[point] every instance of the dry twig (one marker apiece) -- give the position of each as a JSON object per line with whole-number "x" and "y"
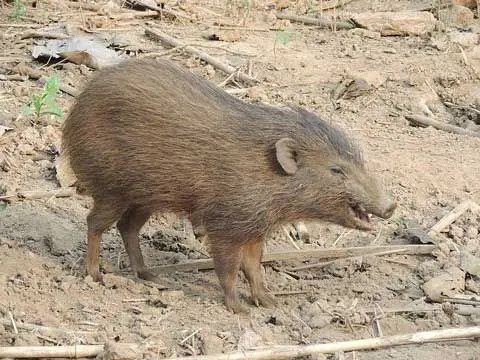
{"x": 161, "y": 36}
{"x": 41, "y": 329}
{"x": 323, "y": 23}
{"x": 39, "y": 194}
{"x": 36, "y": 34}
{"x": 453, "y": 215}
{"x": 326, "y": 263}
{"x": 424, "y": 121}
{"x": 333, "y": 4}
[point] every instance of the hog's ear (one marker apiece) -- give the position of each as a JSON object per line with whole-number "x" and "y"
{"x": 287, "y": 155}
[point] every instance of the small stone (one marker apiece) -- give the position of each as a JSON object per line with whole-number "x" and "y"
{"x": 357, "y": 288}
{"x": 397, "y": 23}
{"x": 112, "y": 281}
{"x": 472, "y": 285}
{"x": 385, "y": 268}
{"x": 173, "y": 296}
{"x": 390, "y": 51}
{"x": 212, "y": 344}
{"x": 471, "y": 125}
{"x": 365, "y": 33}
{"x": 208, "y": 71}
{"x": 45, "y": 164}
{"x": 249, "y": 340}
{"x": 472, "y": 232}
{"x": 318, "y": 357}
{"x": 25, "y": 149}
{"x": 465, "y": 39}
{"x": 426, "y": 324}
{"x": 456, "y": 231}
{"x": 444, "y": 248}
{"x": 7, "y": 242}
{"x": 319, "y": 321}
{"x": 448, "y": 284}
{"x": 49, "y": 133}
{"x": 120, "y": 351}
{"x": 256, "y": 93}
{"x": 192, "y": 63}
{"x": 472, "y": 4}
{"x": 306, "y": 331}
{"x": 456, "y": 15}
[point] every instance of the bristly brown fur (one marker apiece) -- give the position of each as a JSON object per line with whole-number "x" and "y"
{"x": 149, "y": 136}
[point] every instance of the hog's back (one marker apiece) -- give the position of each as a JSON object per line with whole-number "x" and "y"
{"x": 149, "y": 131}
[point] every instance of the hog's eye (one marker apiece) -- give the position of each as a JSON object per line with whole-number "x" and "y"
{"x": 337, "y": 170}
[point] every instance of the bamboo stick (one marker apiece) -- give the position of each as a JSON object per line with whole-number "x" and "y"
{"x": 72, "y": 352}
{"x": 206, "y": 264}
{"x": 291, "y": 351}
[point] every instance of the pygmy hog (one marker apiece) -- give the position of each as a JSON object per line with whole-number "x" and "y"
{"x": 148, "y": 136}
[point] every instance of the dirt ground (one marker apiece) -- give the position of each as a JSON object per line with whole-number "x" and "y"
{"x": 42, "y": 241}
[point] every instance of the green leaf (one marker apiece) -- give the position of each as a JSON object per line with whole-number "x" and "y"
{"x": 27, "y": 109}
{"x": 52, "y": 85}
{"x": 54, "y": 110}
{"x": 282, "y": 37}
{"x": 3, "y": 205}
{"x": 46, "y": 99}
{"x": 18, "y": 10}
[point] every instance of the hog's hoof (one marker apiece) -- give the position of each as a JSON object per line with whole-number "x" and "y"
{"x": 265, "y": 300}
{"x": 95, "y": 276}
{"x": 236, "y": 307}
{"x": 146, "y": 275}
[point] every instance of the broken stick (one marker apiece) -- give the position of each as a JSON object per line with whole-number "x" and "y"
{"x": 207, "y": 264}
{"x": 73, "y": 352}
{"x": 39, "y": 194}
{"x": 159, "y": 9}
{"x": 453, "y": 215}
{"x": 320, "y": 22}
{"x": 291, "y": 351}
{"x": 423, "y": 121}
{"x": 37, "y": 34}
{"x": 326, "y": 263}
{"x": 167, "y": 39}
{"x": 42, "y": 329}
{"x": 333, "y": 4}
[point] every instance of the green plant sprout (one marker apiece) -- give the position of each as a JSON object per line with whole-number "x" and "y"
{"x": 44, "y": 103}
{"x": 281, "y": 37}
{"x": 18, "y": 11}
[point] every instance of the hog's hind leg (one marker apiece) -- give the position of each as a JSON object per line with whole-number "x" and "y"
{"x": 129, "y": 226}
{"x": 101, "y": 217}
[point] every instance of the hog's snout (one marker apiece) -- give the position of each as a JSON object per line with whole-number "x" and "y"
{"x": 388, "y": 208}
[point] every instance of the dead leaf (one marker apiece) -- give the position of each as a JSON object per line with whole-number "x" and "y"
{"x": 65, "y": 174}
{"x": 4, "y": 129}
{"x": 79, "y": 50}
{"x": 447, "y": 285}
{"x": 470, "y": 263}
{"x": 223, "y": 35}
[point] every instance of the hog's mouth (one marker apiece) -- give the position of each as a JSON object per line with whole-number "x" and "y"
{"x": 359, "y": 217}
